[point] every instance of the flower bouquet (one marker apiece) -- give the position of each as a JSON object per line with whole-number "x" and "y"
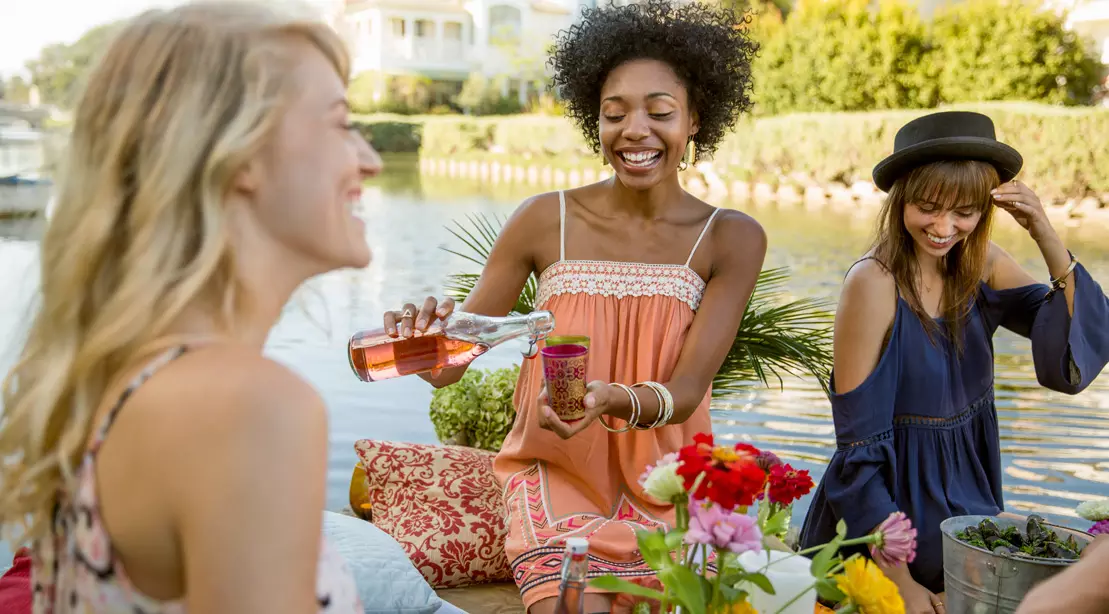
{"x": 721, "y": 559}
{"x": 1097, "y": 512}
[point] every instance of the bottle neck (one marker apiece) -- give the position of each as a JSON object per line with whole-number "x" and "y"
{"x": 492, "y": 331}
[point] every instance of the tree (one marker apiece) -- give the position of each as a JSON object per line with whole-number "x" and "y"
{"x": 60, "y": 70}
{"x": 776, "y": 337}
{"x": 1011, "y": 50}
{"x": 15, "y": 90}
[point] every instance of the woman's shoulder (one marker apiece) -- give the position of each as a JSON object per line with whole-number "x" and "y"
{"x": 214, "y": 393}
{"x": 868, "y": 299}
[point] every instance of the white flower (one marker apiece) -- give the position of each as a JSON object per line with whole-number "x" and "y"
{"x": 662, "y": 481}
{"x": 1094, "y": 511}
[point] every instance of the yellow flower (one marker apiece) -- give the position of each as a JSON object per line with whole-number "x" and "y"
{"x": 869, "y": 589}
{"x": 743, "y": 607}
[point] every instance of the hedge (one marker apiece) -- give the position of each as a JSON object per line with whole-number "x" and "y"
{"x": 1064, "y": 152}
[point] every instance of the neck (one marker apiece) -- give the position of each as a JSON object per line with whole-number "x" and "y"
{"x": 650, "y": 203}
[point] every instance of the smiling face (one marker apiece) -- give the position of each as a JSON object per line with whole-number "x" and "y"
{"x": 645, "y": 122}
{"x": 945, "y": 204}
{"x": 936, "y": 229}
{"x": 306, "y": 183}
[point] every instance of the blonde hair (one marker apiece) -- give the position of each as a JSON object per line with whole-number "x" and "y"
{"x": 179, "y": 102}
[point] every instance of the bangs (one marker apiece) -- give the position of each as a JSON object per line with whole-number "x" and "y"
{"x": 953, "y": 184}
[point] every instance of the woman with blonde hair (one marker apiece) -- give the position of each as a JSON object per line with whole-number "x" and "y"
{"x": 211, "y": 171}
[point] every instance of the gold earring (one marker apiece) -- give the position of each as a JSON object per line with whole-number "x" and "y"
{"x": 691, "y": 153}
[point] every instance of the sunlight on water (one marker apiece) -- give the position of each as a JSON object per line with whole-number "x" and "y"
{"x": 1055, "y": 447}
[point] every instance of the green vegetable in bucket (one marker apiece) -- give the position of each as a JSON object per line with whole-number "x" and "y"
{"x": 1037, "y": 541}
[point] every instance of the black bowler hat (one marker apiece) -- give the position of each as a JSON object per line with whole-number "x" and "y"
{"x": 947, "y": 135}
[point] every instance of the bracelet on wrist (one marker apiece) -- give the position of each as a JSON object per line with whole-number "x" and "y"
{"x": 1060, "y": 283}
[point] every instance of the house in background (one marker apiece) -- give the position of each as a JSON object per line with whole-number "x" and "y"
{"x": 1090, "y": 18}
{"x": 445, "y": 41}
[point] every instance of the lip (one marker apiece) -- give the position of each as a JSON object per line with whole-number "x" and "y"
{"x": 639, "y": 170}
{"x": 939, "y": 246}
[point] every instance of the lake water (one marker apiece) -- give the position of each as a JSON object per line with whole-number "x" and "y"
{"x": 1055, "y": 447}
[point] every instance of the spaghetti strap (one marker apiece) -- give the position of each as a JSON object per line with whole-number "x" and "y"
{"x": 162, "y": 360}
{"x": 689, "y": 260}
{"x": 561, "y": 226}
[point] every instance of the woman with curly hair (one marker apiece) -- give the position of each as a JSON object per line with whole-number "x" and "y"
{"x": 656, "y": 278}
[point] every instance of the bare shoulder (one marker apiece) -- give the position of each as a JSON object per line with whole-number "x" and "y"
{"x": 1003, "y": 271}
{"x": 536, "y": 216}
{"x": 220, "y": 392}
{"x": 869, "y": 295}
{"x": 736, "y": 235}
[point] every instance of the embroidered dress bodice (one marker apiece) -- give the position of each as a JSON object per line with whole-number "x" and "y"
{"x": 620, "y": 279}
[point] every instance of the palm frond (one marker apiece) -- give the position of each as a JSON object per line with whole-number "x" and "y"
{"x": 777, "y": 337}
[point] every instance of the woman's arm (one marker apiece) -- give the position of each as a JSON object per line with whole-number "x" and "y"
{"x": 1025, "y": 207}
{"x": 738, "y": 250}
{"x": 244, "y": 484}
{"x": 510, "y": 261}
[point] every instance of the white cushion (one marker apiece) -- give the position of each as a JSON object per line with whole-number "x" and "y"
{"x": 387, "y": 581}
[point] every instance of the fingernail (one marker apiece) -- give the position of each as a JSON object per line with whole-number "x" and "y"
{"x": 421, "y": 323}
{"x": 590, "y": 401}
{"x": 407, "y": 330}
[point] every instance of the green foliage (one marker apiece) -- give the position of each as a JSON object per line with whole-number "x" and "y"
{"x": 476, "y": 411}
{"x": 15, "y": 90}
{"x": 1011, "y": 50}
{"x": 481, "y": 95}
{"x": 61, "y": 70}
{"x": 842, "y": 56}
{"x": 776, "y": 338}
{"x": 391, "y": 135}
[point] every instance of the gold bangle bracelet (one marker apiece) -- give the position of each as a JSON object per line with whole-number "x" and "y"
{"x": 635, "y": 409}
{"x": 660, "y": 418}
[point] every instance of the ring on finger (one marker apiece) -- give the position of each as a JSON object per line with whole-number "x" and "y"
{"x": 407, "y": 314}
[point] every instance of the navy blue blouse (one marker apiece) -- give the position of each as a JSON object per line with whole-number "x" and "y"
{"x": 920, "y": 434}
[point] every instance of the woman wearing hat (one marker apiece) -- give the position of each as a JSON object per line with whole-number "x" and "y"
{"x": 912, "y": 401}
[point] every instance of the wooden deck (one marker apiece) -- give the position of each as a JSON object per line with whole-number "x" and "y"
{"x": 499, "y": 598}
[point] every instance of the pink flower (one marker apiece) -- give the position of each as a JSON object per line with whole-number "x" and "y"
{"x": 1100, "y": 527}
{"x": 896, "y": 540}
{"x": 662, "y": 462}
{"x": 712, "y": 525}
{"x": 767, "y": 459}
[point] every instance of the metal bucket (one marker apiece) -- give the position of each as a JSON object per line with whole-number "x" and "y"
{"x": 977, "y": 581}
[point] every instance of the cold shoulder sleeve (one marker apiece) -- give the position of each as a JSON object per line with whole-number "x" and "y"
{"x": 860, "y": 479}
{"x": 1068, "y": 351}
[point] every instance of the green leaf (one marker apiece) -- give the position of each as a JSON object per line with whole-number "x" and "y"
{"x": 619, "y": 585}
{"x": 827, "y": 589}
{"x": 841, "y": 529}
{"x": 688, "y": 588}
{"x": 776, "y": 524}
{"x": 822, "y": 562}
{"x": 732, "y": 595}
{"x": 652, "y": 545}
{"x": 760, "y": 581}
{"x": 674, "y": 539}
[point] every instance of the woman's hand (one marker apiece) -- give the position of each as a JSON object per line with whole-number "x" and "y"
{"x": 1025, "y": 207}
{"x": 407, "y": 320}
{"x": 600, "y": 399}
{"x": 918, "y": 600}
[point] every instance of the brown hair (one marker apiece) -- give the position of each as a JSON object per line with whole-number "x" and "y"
{"x": 949, "y": 184}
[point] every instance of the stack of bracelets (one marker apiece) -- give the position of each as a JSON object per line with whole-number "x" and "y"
{"x": 665, "y": 407}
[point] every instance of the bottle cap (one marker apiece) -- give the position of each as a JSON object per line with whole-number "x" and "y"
{"x": 577, "y": 545}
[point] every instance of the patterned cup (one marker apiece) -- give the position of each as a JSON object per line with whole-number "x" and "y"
{"x": 564, "y": 369}
{"x": 554, "y": 340}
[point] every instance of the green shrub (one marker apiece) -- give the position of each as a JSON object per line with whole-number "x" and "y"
{"x": 1011, "y": 50}
{"x": 476, "y": 411}
{"x": 391, "y": 135}
{"x": 842, "y": 56}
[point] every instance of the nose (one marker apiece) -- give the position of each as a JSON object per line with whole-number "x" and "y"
{"x": 636, "y": 129}
{"x": 944, "y": 224}
{"x": 369, "y": 161}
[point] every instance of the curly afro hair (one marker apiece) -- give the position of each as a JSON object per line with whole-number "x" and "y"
{"x": 708, "y": 48}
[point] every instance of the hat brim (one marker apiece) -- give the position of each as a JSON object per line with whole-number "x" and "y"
{"x": 1004, "y": 158}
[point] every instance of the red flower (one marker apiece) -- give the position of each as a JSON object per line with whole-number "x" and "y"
{"x": 732, "y": 475}
{"x": 788, "y": 484}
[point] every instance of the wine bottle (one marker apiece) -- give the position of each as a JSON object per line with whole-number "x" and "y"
{"x": 575, "y": 564}
{"x": 375, "y": 356}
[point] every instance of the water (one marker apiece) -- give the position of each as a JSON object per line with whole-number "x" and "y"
{"x": 1055, "y": 447}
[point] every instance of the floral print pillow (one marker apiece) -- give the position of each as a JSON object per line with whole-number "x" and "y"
{"x": 443, "y": 505}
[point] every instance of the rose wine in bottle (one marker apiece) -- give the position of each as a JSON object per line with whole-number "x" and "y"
{"x": 375, "y": 356}
{"x": 575, "y": 564}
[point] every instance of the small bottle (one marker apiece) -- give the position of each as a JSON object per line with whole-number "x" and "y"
{"x": 575, "y": 564}
{"x": 375, "y": 356}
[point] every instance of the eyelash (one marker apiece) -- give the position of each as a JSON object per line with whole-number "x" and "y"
{"x": 616, "y": 118}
